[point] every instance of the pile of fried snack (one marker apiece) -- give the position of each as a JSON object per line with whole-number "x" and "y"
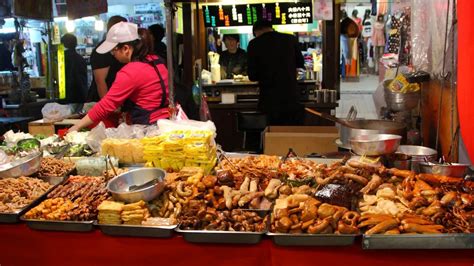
{"x": 55, "y": 167}
{"x": 302, "y": 196}
{"x": 75, "y": 200}
{"x": 17, "y": 193}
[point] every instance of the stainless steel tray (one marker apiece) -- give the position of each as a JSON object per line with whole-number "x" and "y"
{"x": 15, "y": 216}
{"x": 71, "y": 226}
{"x": 221, "y": 237}
{"x": 282, "y": 239}
{"x": 136, "y": 230}
{"x": 425, "y": 241}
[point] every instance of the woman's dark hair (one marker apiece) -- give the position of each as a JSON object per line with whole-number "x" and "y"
{"x": 142, "y": 47}
{"x": 355, "y": 13}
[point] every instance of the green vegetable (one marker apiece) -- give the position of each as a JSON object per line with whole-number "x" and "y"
{"x": 28, "y": 144}
{"x": 40, "y": 136}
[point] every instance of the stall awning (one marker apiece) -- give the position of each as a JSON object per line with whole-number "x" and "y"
{"x": 84, "y": 8}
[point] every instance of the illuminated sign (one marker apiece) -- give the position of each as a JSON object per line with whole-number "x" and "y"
{"x": 246, "y": 15}
{"x": 61, "y": 72}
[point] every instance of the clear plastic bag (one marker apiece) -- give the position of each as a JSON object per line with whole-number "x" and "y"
{"x": 55, "y": 112}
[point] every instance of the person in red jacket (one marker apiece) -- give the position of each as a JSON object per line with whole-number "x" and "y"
{"x": 141, "y": 86}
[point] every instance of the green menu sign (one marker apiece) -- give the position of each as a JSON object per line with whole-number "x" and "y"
{"x": 245, "y": 15}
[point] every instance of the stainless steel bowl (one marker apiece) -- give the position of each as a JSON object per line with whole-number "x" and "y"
{"x": 453, "y": 170}
{"x": 399, "y": 101}
{"x": 119, "y": 186}
{"x": 22, "y": 167}
{"x": 370, "y": 127}
{"x": 375, "y": 145}
{"x": 418, "y": 154}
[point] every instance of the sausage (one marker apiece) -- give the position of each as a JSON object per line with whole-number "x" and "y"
{"x": 357, "y": 178}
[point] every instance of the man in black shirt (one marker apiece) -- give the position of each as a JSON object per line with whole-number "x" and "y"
{"x": 76, "y": 72}
{"x": 272, "y": 61}
{"x": 233, "y": 61}
{"x": 104, "y": 68}
{"x": 158, "y": 33}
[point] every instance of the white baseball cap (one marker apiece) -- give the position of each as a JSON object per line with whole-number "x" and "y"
{"x": 119, "y": 33}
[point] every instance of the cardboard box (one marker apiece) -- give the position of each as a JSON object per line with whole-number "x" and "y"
{"x": 303, "y": 140}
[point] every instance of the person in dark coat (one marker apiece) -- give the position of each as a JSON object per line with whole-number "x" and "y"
{"x": 76, "y": 71}
{"x": 158, "y": 33}
{"x": 273, "y": 59}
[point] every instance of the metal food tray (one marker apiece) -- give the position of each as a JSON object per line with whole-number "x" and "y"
{"x": 221, "y": 237}
{"x": 421, "y": 241}
{"x": 14, "y": 217}
{"x": 283, "y": 239}
{"x": 137, "y": 230}
{"x": 226, "y": 237}
{"x": 52, "y": 225}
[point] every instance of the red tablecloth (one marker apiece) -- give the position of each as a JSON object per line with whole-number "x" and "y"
{"x": 21, "y": 246}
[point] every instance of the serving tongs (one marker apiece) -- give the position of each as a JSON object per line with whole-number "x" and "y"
{"x": 221, "y": 155}
{"x": 109, "y": 161}
{"x": 144, "y": 185}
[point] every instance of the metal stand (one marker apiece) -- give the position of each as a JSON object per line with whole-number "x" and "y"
{"x": 170, "y": 10}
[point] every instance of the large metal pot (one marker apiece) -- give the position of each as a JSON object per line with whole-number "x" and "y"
{"x": 370, "y": 127}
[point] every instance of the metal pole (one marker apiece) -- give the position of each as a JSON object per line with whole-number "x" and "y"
{"x": 50, "y": 63}
{"x": 169, "y": 49}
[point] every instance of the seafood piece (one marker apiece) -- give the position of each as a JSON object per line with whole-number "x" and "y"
{"x": 449, "y": 198}
{"x": 393, "y": 231}
{"x": 248, "y": 197}
{"x": 439, "y": 179}
{"x": 434, "y": 208}
{"x": 253, "y": 187}
{"x": 383, "y": 226}
{"x": 401, "y": 173}
{"x": 271, "y": 191}
{"x": 423, "y": 229}
{"x": 245, "y": 185}
{"x": 373, "y": 219}
{"x": 227, "y": 196}
{"x": 373, "y": 184}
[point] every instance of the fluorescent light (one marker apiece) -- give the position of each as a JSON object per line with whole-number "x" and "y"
{"x": 70, "y": 25}
{"x": 99, "y": 25}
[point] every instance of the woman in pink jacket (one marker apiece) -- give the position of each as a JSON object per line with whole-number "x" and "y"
{"x": 141, "y": 86}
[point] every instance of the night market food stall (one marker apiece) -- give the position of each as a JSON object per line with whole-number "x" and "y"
{"x": 259, "y": 210}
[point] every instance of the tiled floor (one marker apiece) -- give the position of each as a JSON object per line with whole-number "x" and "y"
{"x": 358, "y": 94}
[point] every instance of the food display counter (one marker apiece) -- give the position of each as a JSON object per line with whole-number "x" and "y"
{"x": 22, "y": 246}
{"x": 212, "y": 207}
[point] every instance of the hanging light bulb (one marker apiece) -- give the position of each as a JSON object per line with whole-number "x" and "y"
{"x": 99, "y": 25}
{"x": 70, "y": 25}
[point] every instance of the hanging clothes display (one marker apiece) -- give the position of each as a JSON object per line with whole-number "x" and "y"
{"x": 400, "y": 36}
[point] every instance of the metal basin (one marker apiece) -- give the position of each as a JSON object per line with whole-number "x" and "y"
{"x": 398, "y": 101}
{"x": 453, "y": 170}
{"x": 370, "y": 127}
{"x": 375, "y": 145}
{"x": 25, "y": 166}
{"x": 119, "y": 186}
{"x": 418, "y": 154}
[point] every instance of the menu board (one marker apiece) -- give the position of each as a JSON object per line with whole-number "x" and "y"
{"x": 246, "y": 15}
